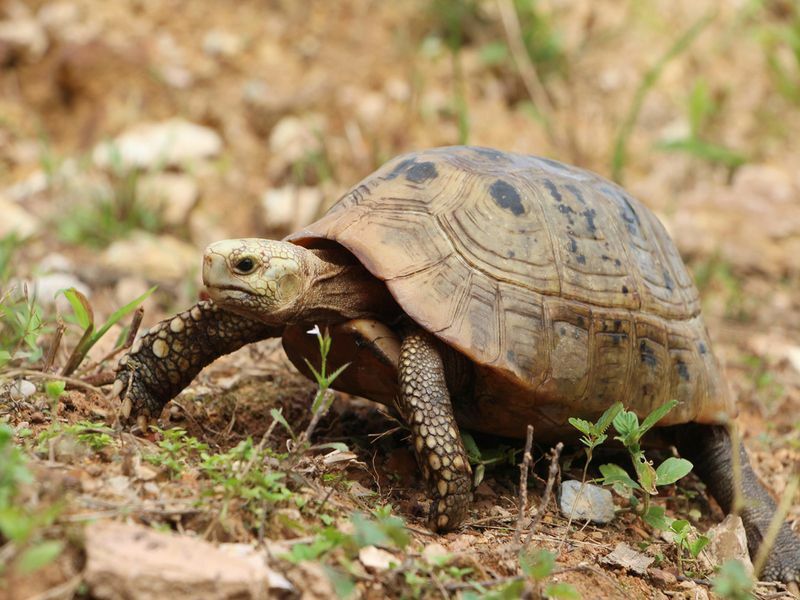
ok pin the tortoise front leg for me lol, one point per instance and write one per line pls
(167, 358)
(710, 448)
(424, 403)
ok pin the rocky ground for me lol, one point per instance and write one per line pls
(133, 133)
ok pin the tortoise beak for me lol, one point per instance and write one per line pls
(215, 270)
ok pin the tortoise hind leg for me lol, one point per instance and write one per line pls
(710, 449)
(424, 403)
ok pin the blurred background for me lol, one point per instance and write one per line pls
(133, 133)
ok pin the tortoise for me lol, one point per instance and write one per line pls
(483, 289)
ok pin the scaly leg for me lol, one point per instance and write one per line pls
(167, 358)
(709, 447)
(424, 403)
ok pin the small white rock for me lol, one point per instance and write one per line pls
(793, 353)
(166, 143)
(294, 138)
(25, 37)
(58, 16)
(172, 195)
(594, 503)
(435, 553)
(377, 559)
(218, 42)
(159, 258)
(17, 220)
(22, 389)
(291, 207)
(47, 286)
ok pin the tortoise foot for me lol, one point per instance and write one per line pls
(783, 562)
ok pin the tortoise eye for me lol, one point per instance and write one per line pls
(245, 265)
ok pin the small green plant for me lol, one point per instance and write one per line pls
(480, 458)
(452, 21)
(537, 566)
(781, 43)
(109, 212)
(22, 528)
(177, 449)
(242, 474)
(648, 478)
(594, 434)
(337, 550)
(715, 277)
(95, 436)
(687, 540)
(732, 582)
(84, 316)
(701, 108)
(21, 324)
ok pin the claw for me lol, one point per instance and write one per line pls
(125, 408)
(141, 425)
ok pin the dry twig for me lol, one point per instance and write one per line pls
(51, 354)
(552, 473)
(523, 484)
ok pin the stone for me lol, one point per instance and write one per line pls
(728, 540)
(220, 43)
(46, 288)
(171, 195)
(293, 139)
(629, 559)
(23, 38)
(435, 554)
(173, 142)
(377, 559)
(154, 257)
(137, 563)
(592, 503)
(22, 389)
(291, 207)
(16, 220)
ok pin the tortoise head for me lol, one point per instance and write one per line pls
(258, 278)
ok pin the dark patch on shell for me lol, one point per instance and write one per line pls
(422, 172)
(495, 155)
(551, 187)
(702, 348)
(625, 289)
(510, 254)
(573, 245)
(581, 259)
(507, 197)
(576, 192)
(668, 283)
(400, 168)
(647, 355)
(683, 370)
(589, 214)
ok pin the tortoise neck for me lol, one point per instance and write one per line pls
(343, 289)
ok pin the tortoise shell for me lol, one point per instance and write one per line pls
(565, 291)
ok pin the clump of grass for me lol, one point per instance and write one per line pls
(649, 80)
(24, 547)
(701, 109)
